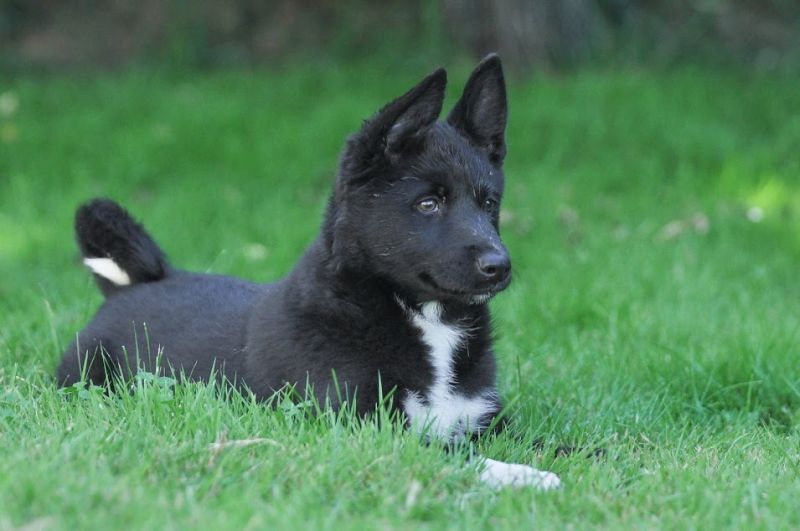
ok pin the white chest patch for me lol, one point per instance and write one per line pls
(443, 412)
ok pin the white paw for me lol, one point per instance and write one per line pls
(497, 474)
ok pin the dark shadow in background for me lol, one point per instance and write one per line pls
(530, 35)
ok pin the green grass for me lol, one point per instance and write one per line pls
(649, 316)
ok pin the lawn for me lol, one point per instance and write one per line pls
(653, 219)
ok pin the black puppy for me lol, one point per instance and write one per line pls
(394, 289)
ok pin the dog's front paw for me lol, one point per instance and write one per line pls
(497, 474)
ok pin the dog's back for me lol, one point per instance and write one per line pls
(150, 304)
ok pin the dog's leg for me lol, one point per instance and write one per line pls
(497, 474)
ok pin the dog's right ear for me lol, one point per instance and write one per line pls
(401, 125)
(482, 111)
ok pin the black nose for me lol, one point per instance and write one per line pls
(494, 266)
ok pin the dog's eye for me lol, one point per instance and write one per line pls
(429, 205)
(490, 205)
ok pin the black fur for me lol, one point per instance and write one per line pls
(104, 230)
(413, 218)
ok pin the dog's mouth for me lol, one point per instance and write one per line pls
(470, 296)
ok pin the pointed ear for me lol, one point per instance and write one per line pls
(403, 122)
(482, 112)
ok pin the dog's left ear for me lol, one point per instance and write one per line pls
(482, 112)
(398, 129)
(406, 120)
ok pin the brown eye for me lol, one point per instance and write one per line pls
(429, 205)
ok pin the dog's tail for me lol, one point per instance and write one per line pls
(116, 248)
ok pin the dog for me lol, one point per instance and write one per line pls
(392, 294)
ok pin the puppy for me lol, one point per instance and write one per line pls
(391, 295)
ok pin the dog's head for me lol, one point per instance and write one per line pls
(417, 200)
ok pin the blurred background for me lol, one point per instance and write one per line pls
(530, 35)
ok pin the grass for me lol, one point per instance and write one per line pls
(650, 314)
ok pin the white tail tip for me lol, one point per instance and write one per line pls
(109, 270)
